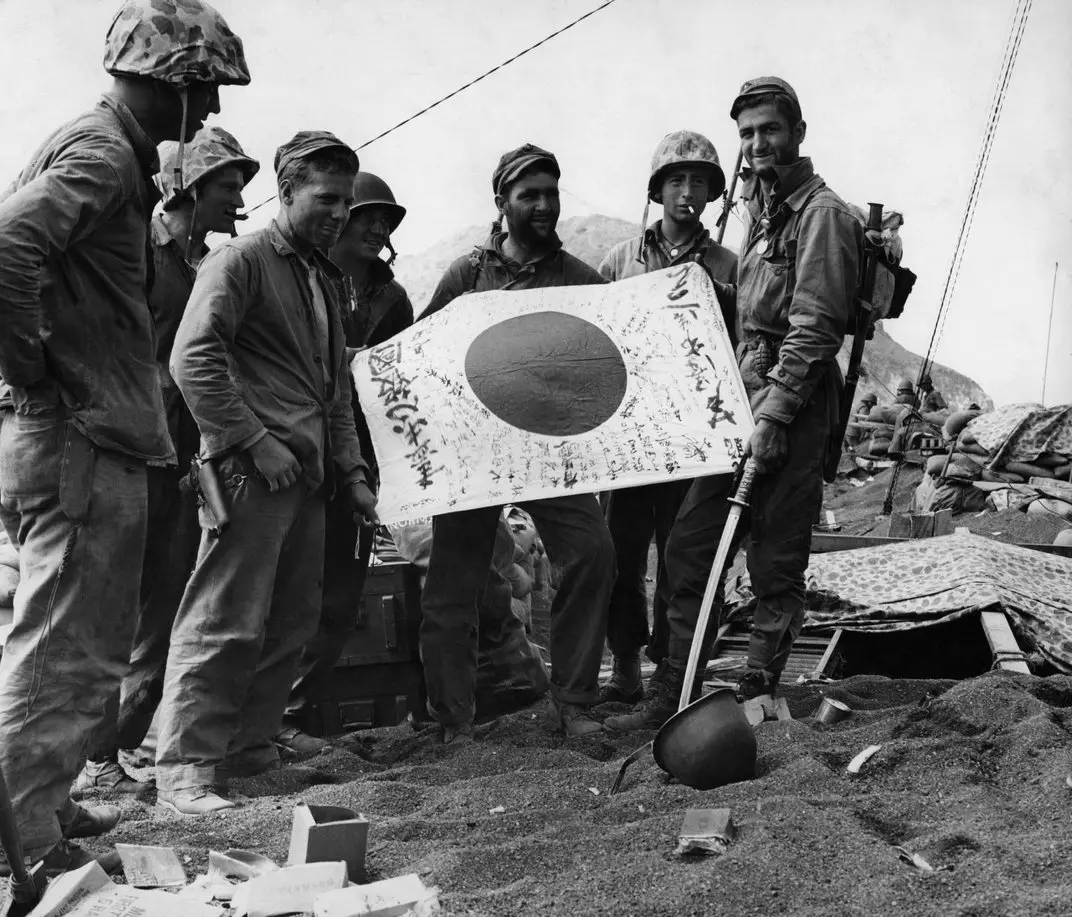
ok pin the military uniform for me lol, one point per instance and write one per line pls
(797, 282)
(82, 411)
(572, 527)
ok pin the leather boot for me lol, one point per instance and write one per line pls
(757, 683)
(660, 705)
(625, 686)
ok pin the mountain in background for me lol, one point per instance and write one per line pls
(589, 238)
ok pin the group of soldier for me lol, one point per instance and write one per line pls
(191, 483)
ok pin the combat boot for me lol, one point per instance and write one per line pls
(660, 705)
(575, 720)
(757, 683)
(625, 686)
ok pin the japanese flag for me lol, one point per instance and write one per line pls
(509, 396)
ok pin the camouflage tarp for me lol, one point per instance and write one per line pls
(1022, 432)
(933, 580)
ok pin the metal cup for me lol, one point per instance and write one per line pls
(832, 711)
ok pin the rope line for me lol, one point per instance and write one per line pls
(1012, 48)
(468, 85)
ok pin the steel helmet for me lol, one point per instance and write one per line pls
(212, 149)
(685, 148)
(371, 190)
(176, 41)
(869, 398)
(906, 387)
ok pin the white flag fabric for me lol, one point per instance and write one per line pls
(509, 396)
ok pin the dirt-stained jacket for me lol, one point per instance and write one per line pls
(621, 261)
(489, 268)
(797, 280)
(247, 356)
(73, 304)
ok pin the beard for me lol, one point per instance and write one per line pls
(526, 235)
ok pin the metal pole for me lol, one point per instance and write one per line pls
(724, 217)
(1049, 334)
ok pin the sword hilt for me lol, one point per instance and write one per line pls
(742, 489)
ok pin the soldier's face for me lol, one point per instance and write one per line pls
(682, 189)
(219, 198)
(319, 209)
(767, 140)
(366, 234)
(531, 207)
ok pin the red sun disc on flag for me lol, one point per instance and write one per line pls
(549, 373)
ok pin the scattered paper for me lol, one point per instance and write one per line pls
(287, 891)
(151, 867)
(404, 896)
(238, 864)
(706, 831)
(498, 810)
(640, 809)
(861, 759)
(913, 859)
(593, 791)
(66, 891)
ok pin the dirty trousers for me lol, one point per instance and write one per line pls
(777, 534)
(250, 606)
(344, 581)
(577, 541)
(78, 514)
(634, 516)
(171, 545)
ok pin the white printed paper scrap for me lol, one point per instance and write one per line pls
(509, 396)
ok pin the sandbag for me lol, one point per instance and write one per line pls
(936, 418)
(878, 447)
(1002, 477)
(1063, 472)
(966, 443)
(935, 464)
(1051, 460)
(9, 582)
(1047, 506)
(1029, 470)
(889, 413)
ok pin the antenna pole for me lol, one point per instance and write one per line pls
(1049, 334)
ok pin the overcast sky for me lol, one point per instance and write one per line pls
(896, 98)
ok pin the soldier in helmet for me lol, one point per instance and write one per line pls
(685, 177)
(932, 398)
(797, 281)
(375, 307)
(81, 411)
(906, 393)
(215, 169)
(260, 359)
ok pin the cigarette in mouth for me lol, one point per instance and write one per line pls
(691, 209)
(241, 216)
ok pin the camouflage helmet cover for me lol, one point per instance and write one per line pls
(212, 149)
(175, 41)
(372, 191)
(685, 148)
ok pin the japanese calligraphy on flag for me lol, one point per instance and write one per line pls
(509, 396)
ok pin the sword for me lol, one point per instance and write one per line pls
(739, 501)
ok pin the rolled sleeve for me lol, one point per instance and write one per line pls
(39, 221)
(200, 361)
(827, 270)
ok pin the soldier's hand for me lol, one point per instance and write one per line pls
(278, 466)
(363, 502)
(769, 446)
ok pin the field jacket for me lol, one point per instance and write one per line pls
(73, 310)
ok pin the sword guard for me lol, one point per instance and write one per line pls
(742, 486)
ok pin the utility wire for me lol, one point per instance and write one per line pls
(1012, 48)
(471, 83)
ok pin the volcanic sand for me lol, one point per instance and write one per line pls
(973, 776)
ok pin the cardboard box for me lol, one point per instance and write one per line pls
(326, 834)
(287, 891)
(389, 898)
(706, 831)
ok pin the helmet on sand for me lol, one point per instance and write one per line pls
(212, 149)
(685, 148)
(175, 41)
(371, 191)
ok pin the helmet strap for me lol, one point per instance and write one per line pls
(177, 169)
(643, 230)
(193, 223)
(391, 249)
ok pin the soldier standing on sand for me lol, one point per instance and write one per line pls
(214, 171)
(375, 307)
(797, 280)
(260, 359)
(685, 177)
(528, 255)
(81, 412)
